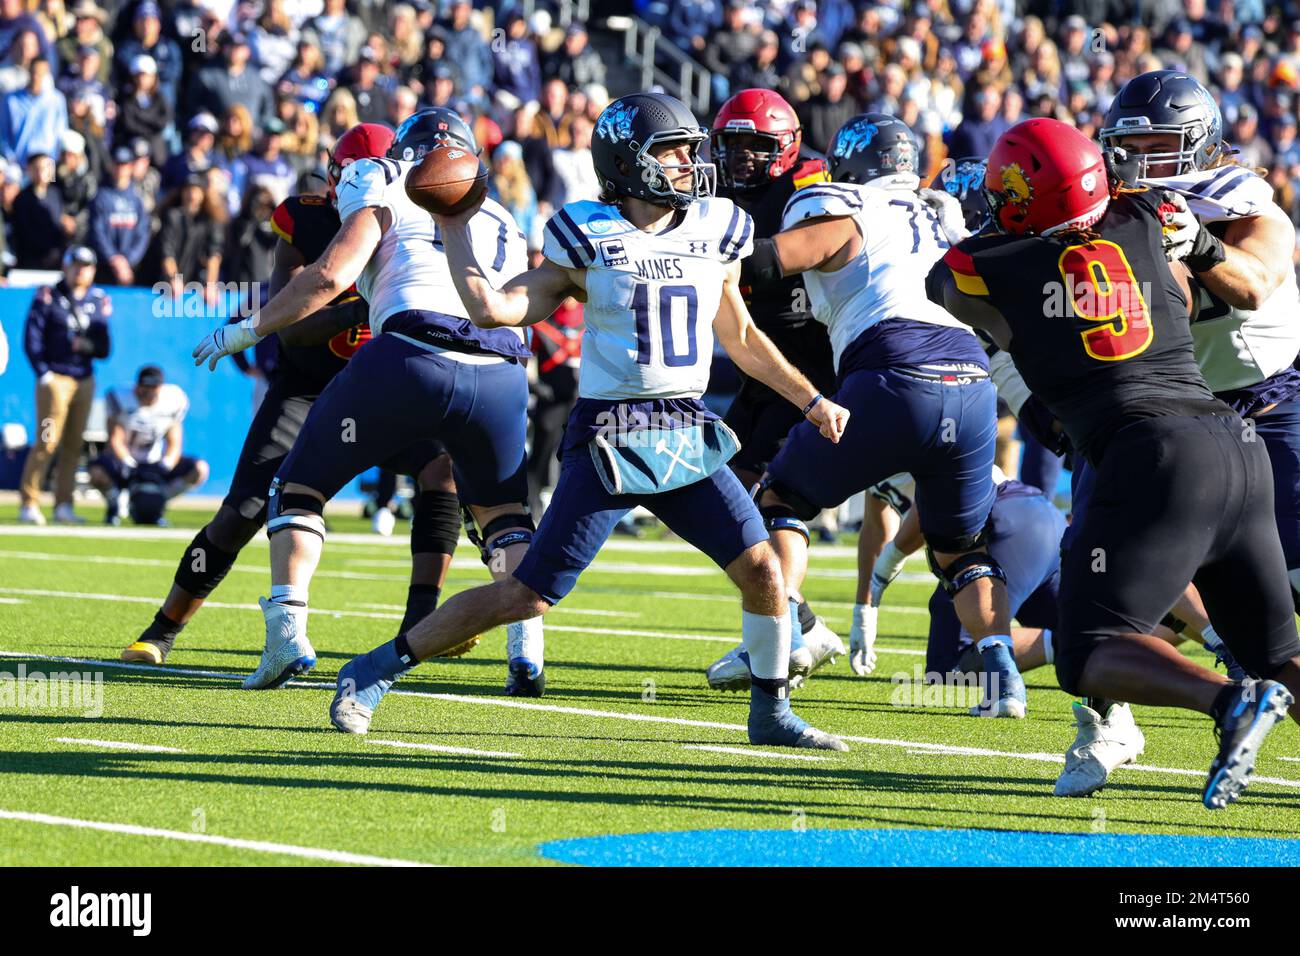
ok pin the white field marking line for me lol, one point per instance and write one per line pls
(1292, 759)
(938, 749)
(118, 745)
(12, 601)
(442, 749)
(587, 612)
(259, 846)
(744, 752)
(383, 616)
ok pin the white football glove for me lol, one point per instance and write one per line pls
(951, 217)
(1180, 227)
(226, 340)
(862, 640)
(888, 567)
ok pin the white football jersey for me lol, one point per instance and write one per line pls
(409, 269)
(902, 239)
(147, 425)
(651, 297)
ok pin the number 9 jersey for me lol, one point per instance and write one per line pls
(1099, 329)
(651, 297)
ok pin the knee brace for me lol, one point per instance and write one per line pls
(203, 566)
(782, 518)
(280, 502)
(499, 533)
(435, 525)
(794, 503)
(965, 570)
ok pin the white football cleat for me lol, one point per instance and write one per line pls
(63, 514)
(31, 514)
(383, 522)
(730, 671)
(821, 646)
(288, 653)
(1100, 746)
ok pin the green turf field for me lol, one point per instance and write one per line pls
(614, 747)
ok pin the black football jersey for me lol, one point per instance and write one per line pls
(782, 304)
(1099, 325)
(309, 224)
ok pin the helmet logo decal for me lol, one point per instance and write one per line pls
(1088, 182)
(616, 122)
(1016, 185)
(966, 177)
(853, 139)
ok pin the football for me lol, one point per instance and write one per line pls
(449, 180)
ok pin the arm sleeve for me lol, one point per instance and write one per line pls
(1011, 387)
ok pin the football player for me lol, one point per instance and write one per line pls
(757, 145)
(426, 374)
(1165, 130)
(657, 259)
(1077, 291)
(864, 243)
(311, 353)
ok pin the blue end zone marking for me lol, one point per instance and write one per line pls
(900, 847)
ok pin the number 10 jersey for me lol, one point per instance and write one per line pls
(651, 297)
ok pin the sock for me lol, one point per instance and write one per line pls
(388, 661)
(994, 639)
(162, 631)
(1211, 638)
(1101, 705)
(807, 619)
(421, 599)
(767, 641)
(525, 639)
(796, 626)
(289, 594)
(1049, 650)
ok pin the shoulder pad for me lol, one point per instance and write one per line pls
(736, 228)
(567, 238)
(821, 199)
(364, 183)
(809, 170)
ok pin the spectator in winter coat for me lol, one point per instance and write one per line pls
(119, 225)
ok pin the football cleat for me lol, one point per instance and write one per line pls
(773, 724)
(287, 653)
(356, 696)
(821, 646)
(146, 651)
(730, 671)
(525, 679)
(1258, 707)
(460, 650)
(63, 514)
(1101, 745)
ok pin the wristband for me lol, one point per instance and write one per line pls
(809, 407)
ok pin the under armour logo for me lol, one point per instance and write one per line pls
(699, 247)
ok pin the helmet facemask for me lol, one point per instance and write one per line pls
(763, 160)
(1193, 153)
(658, 176)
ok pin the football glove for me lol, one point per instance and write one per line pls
(1180, 226)
(226, 340)
(862, 640)
(951, 217)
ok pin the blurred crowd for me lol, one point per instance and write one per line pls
(163, 135)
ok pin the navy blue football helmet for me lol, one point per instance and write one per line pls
(626, 132)
(422, 131)
(963, 179)
(1162, 101)
(872, 146)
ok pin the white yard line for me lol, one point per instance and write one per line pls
(938, 749)
(744, 752)
(118, 745)
(442, 748)
(258, 846)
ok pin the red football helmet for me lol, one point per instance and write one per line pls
(766, 116)
(363, 141)
(1044, 176)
